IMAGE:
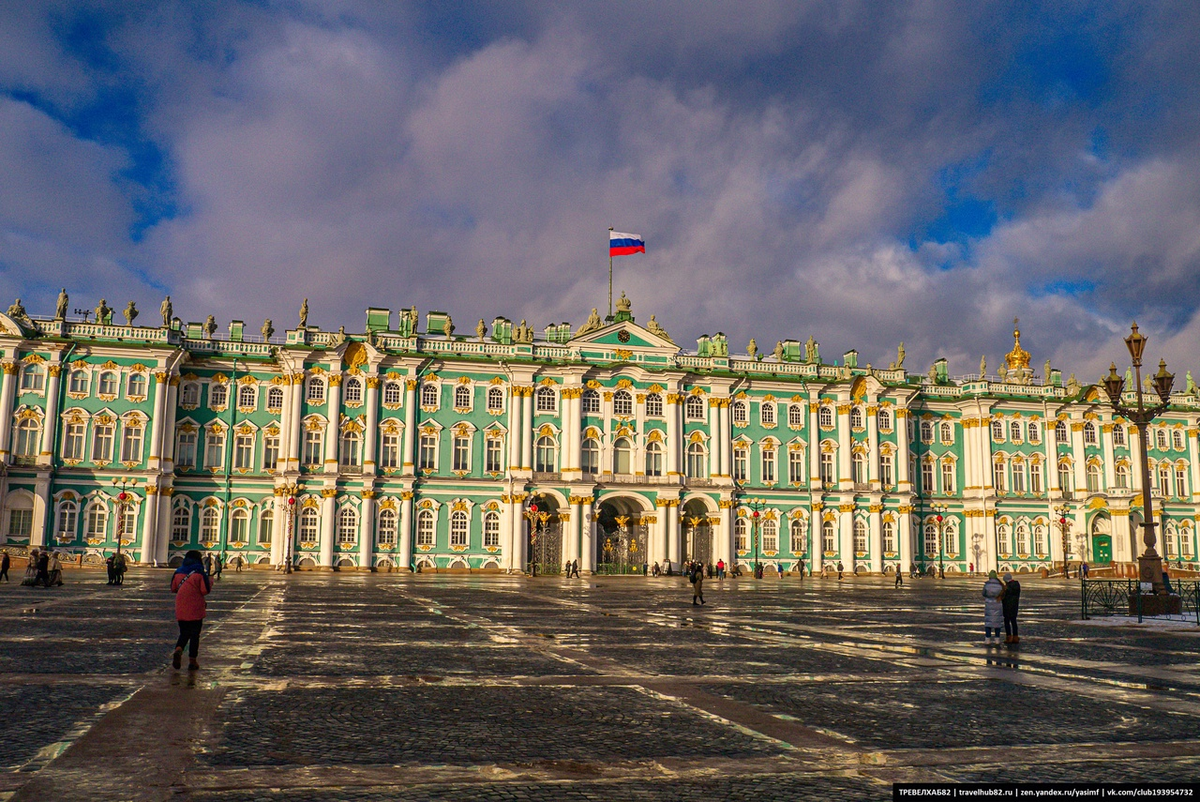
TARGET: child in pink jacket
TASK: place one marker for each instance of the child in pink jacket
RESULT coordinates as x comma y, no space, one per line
190,585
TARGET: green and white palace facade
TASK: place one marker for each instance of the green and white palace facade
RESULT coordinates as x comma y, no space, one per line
412,446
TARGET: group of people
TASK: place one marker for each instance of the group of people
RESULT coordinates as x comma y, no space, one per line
44,569
1001,601
571,569
117,566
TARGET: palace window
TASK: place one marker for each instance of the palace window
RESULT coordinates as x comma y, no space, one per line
495,399
462,396
73,441
214,449
1160,439
1180,483
1121,477
313,448
458,528
693,408
856,418
795,466
825,417
1064,477
78,384
827,475
131,443
33,379
741,541
547,399
28,438
97,522
385,533
425,533
887,471
1177,439
185,450
947,433
239,527
1060,432
491,530
622,403
210,525
654,459
828,540
741,413
697,462
20,517
247,397
770,536
352,390
491,455
315,391
1039,540
348,449
427,459
883,420
1018,477
310,525
654,405
1164,479
270,451
243,452
766,414
889,537
393,394
768,465
947,477
137,385
266,527
1118,435
740,462
347,527
545,455
860,537
858,468
1089,434
1093,478
799,536
389,451
590,455
997,431
1014,431
68,520
461,460
796,416
107,384
218,396
429,395
927,485
275,399
931,539
591,402
926,431
1035,433
102,442
1035,478
998,476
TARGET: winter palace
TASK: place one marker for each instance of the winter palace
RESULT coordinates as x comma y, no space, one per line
413,446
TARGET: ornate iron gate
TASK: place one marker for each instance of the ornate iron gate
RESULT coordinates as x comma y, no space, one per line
699,541
545,548
623,550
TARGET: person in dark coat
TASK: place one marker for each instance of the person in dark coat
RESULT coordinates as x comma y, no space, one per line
840,570
1011,601
899,576
5,563
109,562
697,579
43,569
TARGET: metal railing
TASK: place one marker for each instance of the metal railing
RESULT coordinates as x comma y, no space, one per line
1101,597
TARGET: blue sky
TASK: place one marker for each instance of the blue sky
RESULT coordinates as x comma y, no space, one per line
862,172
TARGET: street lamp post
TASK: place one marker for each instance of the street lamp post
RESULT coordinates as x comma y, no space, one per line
756,506
290,489
124,497
1150,563
537,523
1064,524
941,524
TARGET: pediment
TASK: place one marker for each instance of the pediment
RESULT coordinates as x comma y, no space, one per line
625,334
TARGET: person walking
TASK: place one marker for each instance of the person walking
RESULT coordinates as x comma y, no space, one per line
190,584
218,566
43,570
1011,601
109,563
5,564
993,608
800,567
55,570
840,569
899,576
119,568
575,569
697,577
30,569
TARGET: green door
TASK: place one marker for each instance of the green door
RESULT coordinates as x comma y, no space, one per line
1101,549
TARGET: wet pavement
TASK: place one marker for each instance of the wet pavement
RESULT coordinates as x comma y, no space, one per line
389,687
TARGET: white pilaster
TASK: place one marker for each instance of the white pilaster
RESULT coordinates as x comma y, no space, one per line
366,531
328,521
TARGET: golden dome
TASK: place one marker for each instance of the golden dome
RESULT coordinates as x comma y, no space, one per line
1018,357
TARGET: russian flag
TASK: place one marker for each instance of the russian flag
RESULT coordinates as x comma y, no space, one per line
624,244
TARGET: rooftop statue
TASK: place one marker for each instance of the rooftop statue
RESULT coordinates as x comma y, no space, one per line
131,313
267,330
752,348
60,310
449,326
166,311
210,326
653,327
1046,372
481,329
900,356
623,303
594,322
103,313
983,366
778,353
16,311
304,314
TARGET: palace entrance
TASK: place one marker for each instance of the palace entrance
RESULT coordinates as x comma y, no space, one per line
697,532
545,536
1101,540
623,538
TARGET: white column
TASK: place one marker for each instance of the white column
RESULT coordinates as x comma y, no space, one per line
50,423
1110,478
817,556
366,530
38,536
846,538
166,448
873,456
371,436
904,533
158,421
571,420
991,560
814,449
296,423
328,520
1194,463
674,437
845,474
527,434
1079,455
7,390
903,480
514,430
575,552
149,526
279,528
333,430
875,530
658,549
726,438
162,541
406,530
587,559
673,538
408,459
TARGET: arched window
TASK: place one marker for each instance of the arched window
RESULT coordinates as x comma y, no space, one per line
926,431
1018,476
33,378
1181,481
931,539
458,529
591,402
887,471
385,532
1002,543
622,403
393,394
799,536
741,412
1121,476
1039,540
189,396
353,390
462,396
1064,476
947,433
1164,478
884,420
107,384
856,418
1089,434
889,537
1035,433
999,474
28,439
1160,439
97,522
654,459
181,524
491,530
860,537
545,458
425,528
1060,432
796,416
1093,478
266,527
766,413
348,449
275,398
68,521
1014,431
654,405
827,472
210,525
693,408
247,397
495,399
239,527
1177,439
1023,546
137,385
998,431
858,466
310,525
828,539
948,483
697,461
741,542
218,395
825,417
590,456
429,394
546,399
770,536
1035,477
1118,435
347,527
78,384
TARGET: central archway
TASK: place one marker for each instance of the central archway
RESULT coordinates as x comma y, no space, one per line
697,532
544,545
623,541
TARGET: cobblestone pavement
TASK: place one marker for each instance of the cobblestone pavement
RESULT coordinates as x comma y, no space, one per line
388,687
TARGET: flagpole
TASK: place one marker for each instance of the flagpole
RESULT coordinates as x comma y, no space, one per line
610,312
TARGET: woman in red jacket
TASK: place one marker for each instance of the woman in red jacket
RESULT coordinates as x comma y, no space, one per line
190,585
